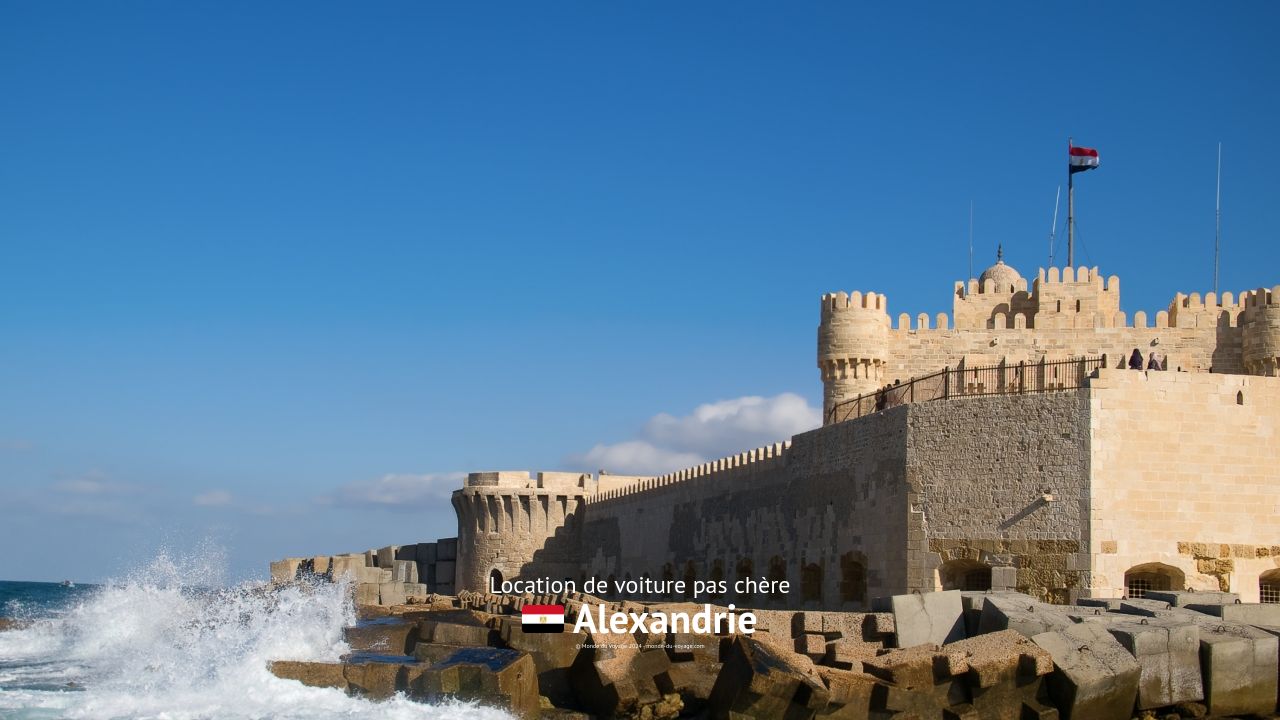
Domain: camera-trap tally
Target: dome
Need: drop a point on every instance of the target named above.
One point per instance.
(1003, 275)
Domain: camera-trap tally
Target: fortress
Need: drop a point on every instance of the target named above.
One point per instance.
(1008, 446)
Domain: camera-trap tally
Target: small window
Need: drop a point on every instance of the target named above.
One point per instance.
(1240, 397)
(1269, 587)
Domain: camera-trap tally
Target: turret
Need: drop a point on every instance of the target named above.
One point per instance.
(511, 525)
(1260, 337)
(853, 345)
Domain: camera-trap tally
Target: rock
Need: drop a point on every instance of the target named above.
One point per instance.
(553, 655)
(1168, 654)
(928, 618)
(392, 636)
(311, 674)
(1094, 677)
(759, 680)
(507, 678)
(11, 624)
(1191, 710)
(667, 708)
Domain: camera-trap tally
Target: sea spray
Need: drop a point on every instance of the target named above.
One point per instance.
(165, 644)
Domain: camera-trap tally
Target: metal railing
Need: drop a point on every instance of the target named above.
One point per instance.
(1002, 379)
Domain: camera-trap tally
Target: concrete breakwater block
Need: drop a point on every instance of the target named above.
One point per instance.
(926, 618)
(919, 681)
(391, 635)
(553, 655)
(1094, 677)
(762, 680)
(1189, 598)
(616, 678)
(507, 678)
(1168, 654)
(1267, 615)
(1005, 675)
(1239, 666)
(1021, 613)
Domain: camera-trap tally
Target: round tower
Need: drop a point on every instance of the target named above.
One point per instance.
(853, 345)
(1260, 336)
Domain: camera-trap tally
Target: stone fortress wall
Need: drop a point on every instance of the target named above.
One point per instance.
(1139, 479)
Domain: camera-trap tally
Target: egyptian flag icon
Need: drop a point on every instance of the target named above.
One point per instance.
(542, 618)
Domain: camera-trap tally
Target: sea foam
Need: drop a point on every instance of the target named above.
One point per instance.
(162, 645)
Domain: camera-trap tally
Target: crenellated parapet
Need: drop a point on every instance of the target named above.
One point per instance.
(853, 344)
(1260, 323)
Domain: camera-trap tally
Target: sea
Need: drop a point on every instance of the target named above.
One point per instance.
(161, 644)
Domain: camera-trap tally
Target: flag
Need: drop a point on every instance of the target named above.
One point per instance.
(1081, 158)
(542, 618)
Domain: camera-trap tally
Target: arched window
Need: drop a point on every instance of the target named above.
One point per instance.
(1240, 397)
(964, 574)
(811, 582)
(1269, 586)
(1140, 579)
(853, 578)
(777, 573)
(495, 579)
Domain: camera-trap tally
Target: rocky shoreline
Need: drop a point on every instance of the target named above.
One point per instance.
(964, 656)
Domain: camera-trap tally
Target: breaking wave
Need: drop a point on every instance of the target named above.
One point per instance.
(170, 643)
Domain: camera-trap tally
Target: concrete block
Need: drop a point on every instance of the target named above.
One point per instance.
(391, 593)
(404, 571)
(366, 594)
(507, 678)
(1022, 613)
(379, 677)
(465, 629)
(347, 567)
(1267, 614)
(851, 693)
(388, 636)
(286, 570)
(444, 572)
(386, 556)
(616, 678)
(407, 552)
(760, 681)
(320, 564)
(1094, 677)
(311, 674)
(426, 553)
(1186, 598)
(1005, 675)
(935, 618)
(1239, 667)
(1168, 654)
(1004, 578)
(849, 653)
(447, 549)
(553, 655)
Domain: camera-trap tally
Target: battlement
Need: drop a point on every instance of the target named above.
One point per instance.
(856, 300)
(576, 483)
(759, 458)
(1079, 276)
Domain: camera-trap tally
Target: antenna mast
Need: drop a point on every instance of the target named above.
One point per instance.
(1053, 229)
(1217, 229)
(970, 241)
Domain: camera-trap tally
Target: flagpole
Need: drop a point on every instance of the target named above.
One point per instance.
(1071, 210)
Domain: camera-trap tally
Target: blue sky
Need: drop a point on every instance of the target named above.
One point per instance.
(274, 274)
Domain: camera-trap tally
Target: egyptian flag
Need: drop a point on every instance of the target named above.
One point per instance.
(1081, 159)
(542, 618)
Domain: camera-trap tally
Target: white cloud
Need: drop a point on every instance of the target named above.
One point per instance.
(712, 430)
(633, 457)
(398, 491)
(93, 483)
(214, 498)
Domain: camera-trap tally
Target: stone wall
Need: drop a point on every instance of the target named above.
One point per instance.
(1185, 470)
(999, 481)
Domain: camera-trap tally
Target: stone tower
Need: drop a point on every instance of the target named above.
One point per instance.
(853, 345)
(1261, 338)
